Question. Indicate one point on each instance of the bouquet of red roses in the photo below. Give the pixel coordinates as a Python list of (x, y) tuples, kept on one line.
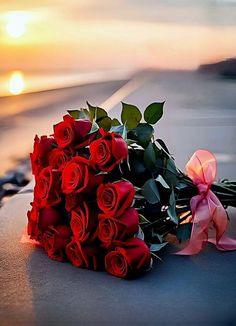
[(107, 193)]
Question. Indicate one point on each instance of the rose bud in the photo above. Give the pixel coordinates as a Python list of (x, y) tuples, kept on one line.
[(110, 229), (83, 256), (47, 189), (84, 221), (39, 220), (114, 198), (79, 176), (73, 199), (108, 151), (128, 260), (71, 132), (40, 156), (55, 240), (58, 158)]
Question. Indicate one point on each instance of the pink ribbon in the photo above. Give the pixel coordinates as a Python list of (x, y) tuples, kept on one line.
[(206, 207)]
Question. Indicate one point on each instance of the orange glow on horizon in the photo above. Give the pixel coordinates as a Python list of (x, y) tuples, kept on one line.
[(31, 41)]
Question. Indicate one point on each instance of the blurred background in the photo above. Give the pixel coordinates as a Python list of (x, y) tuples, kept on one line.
[(55, 55)]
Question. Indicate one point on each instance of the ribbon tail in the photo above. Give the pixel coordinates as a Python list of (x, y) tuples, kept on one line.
[(224, 244), (220, 220), (196, 242), (199, 234)]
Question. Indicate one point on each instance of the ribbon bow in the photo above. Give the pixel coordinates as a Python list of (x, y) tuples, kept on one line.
[(206, 207)]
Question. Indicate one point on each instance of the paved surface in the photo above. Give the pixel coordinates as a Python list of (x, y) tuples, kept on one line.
[(34, 290), (199, 290)]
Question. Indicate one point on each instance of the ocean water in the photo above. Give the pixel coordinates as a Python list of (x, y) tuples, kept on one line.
[(17, 82)]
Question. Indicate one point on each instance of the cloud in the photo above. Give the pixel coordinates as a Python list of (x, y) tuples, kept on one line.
[(199, 12), (189, 12)]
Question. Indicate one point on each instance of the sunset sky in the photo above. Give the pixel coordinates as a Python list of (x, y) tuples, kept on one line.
[(92, 34)]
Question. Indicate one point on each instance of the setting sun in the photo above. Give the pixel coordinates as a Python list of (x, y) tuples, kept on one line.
[(16, 24), (16, 83)]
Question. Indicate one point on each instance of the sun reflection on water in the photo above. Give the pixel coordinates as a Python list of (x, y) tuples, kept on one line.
[(16, 83)]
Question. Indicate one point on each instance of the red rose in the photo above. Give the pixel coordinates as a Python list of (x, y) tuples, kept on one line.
[(82, 256), (108, 151), (110, 229), (73, 200), (71, 132), (79, 176), (32, 227), (55, 240), (58, 158), (114, 198), (84, 222), (130, 259), (40, 219), (49, 216), (47, 190), (42, 148)]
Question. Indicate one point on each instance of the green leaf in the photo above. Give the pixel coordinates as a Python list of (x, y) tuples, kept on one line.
[(162, 181), (183, 231), (100, 113), (96, 112), (138, 196), (158, 236), (171, 211), (156, 247), (79, 114), (172, 198), (150, 266), (74, 113), (115, 122), (171, 173), (139, 234), (130, 115), (181, 186), (153, 112), (91, 110), (151, 192), (101, 173), (163, 145), (155, 256), (144, 133), (130, 141), (137, 167), (172, 214), (104, 123), (124, 133), (94, 128), (149, 156), (117, 129), (143, 219)]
